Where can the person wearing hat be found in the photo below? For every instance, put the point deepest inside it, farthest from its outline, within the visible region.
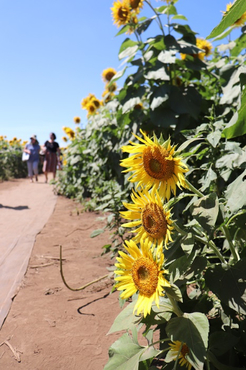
(33, 150)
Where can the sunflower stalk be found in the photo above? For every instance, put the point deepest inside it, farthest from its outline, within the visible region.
(231, 246)
(209, 243)
(158, 17)
(195, 190)
(176, 308)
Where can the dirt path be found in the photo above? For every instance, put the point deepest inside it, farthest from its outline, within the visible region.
(50, 327)
(24, 209)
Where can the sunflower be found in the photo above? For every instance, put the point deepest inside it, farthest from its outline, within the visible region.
(91, 109)
(150, 216)
(64, 138)
(182, 353)
(138, 106)
(201, 44)
(141, 271)
(155, 165)
(108, 74)
(86, 100)
(240, 21)
(136, 5)
(76, 119)
(111, 88)
(204, 45)
(121, 12)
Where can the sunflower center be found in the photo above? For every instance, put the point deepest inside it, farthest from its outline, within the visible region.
(156, 163)
(184, 350)
(145, 276)
(109, 75)
(134, 3)
(154, 221)
(122, 14)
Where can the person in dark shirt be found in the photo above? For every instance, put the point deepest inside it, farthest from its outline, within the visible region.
(32, 149)
(52, 151)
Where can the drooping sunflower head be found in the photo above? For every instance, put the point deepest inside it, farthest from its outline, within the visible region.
(108, 74)
(121, 12)
(141, 270)
(155, 165)
(111, 87)
(138, 106)
(204, 45)
(181, 350)
(76, 120)
(150, 216)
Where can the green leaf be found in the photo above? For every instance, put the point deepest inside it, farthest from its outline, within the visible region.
(158, 74)
(207, 179)
(205, 211)
(167, 56)
(126, 354)
(143, 26)
(159, 96)
(234, 279)
(179, 16)
(214, 138)
(237, 125)
(127, 43)
(96, 233)
(125, 320)
(124, 29)
(235, 193)
(236, 11)
(174, 292)
(193, 330)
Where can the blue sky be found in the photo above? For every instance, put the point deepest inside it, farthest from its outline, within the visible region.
(53, 53)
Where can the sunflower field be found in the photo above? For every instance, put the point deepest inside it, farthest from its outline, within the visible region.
(11, 165)
(166, 155)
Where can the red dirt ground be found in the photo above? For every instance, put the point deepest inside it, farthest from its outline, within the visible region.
(50, 327)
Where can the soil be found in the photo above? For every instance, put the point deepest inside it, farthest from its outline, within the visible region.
(50, 327)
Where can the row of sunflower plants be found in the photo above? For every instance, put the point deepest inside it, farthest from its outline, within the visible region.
(11, 165)
(182, 274)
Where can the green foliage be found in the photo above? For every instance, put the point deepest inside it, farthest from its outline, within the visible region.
(199, 103)
(11, 165)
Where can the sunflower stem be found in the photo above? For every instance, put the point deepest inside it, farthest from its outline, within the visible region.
(209, 243)
(177, 358)
(231, 246)
(176, 308)
(195, 190)
(157, 15)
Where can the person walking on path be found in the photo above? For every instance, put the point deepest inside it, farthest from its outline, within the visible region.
(32, 149)
(52, 152)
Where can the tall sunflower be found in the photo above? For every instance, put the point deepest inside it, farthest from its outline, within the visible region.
(121, 12)
(151, 218)
(141, 271)
(183, 353)
(155, 165)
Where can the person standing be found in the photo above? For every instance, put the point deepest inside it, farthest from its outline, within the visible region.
(52, 151)
(32, 149)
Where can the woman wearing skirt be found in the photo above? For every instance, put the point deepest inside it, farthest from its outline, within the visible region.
(52, 151)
